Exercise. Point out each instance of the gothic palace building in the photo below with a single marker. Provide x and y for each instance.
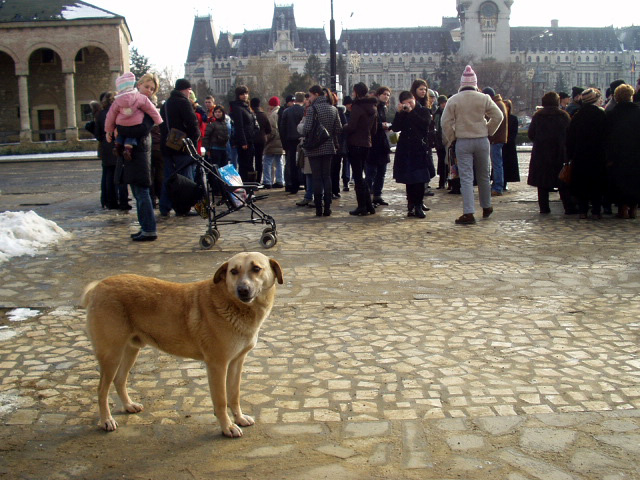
(553, 55)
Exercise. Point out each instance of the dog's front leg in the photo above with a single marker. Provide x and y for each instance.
(234, 378)
(217, 375)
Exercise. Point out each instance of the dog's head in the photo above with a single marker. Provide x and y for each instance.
(248, 274)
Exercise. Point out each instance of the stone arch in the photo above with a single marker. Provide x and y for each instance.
(92, 73)
(46, 92)
(14, 56)
(44, 46)
(9, 98)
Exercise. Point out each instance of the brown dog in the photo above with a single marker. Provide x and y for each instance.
(216, 321)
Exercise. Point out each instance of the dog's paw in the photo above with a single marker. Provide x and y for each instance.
(109, 424)
(233, 431)
(133, 407)
(244, 420)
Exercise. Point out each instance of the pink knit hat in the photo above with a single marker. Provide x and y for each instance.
(125, 82)
(469, 78)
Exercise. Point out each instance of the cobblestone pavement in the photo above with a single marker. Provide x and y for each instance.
(398, 348)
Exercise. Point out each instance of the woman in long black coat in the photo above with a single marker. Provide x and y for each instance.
(509, 151)
(623, 151)
(586, 150)
(410, 165)
(548, 131)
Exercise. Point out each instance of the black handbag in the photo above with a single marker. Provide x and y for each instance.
(317, 135)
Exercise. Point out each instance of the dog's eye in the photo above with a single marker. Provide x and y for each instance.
(234, 271)
(256, 268)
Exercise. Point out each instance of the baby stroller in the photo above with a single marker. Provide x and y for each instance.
(220, 193)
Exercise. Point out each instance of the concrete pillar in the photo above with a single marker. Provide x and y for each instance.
(25, 118)
(72, 126)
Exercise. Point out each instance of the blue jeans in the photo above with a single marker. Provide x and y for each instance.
(497, 166)
(374, 175)
(308, 194)
(473, 154)
(268, 162)
(180, 163)
(144, 207)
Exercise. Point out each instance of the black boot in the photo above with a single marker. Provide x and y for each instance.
(368, 202)
(327, 206)
(318, 204)
(362, 202)
(418, 212)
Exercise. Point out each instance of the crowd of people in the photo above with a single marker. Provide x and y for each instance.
(314, 143)
(596, 142)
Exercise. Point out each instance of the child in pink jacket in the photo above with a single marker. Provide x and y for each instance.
(128, 110)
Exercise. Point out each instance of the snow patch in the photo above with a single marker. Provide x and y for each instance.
(10, 402)
(22, 314)
(25, 233)
(73, 12)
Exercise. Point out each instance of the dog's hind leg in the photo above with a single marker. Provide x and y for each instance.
(234, 378)
(129, 357)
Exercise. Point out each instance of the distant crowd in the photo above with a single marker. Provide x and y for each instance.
(585, 146)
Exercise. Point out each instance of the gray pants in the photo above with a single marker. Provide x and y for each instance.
(473, 155)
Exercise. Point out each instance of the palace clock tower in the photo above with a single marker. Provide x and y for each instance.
(485, 31)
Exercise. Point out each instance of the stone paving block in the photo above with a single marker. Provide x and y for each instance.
(547, 439)
(465, 442)
(533, 467)
(366, 429)
(336, 451)
(499, 425)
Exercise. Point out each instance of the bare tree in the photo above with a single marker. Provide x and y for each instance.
(167, 78)
(265, 79)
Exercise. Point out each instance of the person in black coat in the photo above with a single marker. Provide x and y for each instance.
(586, 151)
(411, 163)
(376, 164)
(177, 112)
(260, 137)
(548, 132)
(245, 128)
(290, 138)
(510, 166)
(623, 151)
(114, 194)
(441, 150)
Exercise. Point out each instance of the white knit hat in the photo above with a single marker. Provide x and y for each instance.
(469, 78)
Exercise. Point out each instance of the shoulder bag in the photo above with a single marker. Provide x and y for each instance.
(317, 135)
(175, 138)
(565, 173)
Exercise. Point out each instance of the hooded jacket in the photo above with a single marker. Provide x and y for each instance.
(362, 125)
(128, 109)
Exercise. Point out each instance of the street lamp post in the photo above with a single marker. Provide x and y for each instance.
(332, 50)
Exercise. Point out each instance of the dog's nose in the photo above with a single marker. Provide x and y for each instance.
(243, 291)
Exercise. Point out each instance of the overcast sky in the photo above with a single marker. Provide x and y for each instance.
(162, 31)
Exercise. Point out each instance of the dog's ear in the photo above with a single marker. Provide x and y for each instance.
(221, 273)
(275, 266)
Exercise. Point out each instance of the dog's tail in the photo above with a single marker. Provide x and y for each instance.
(86, 295)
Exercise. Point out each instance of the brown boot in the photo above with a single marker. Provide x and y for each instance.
(623, 211)
(466, 219)
(633, 211)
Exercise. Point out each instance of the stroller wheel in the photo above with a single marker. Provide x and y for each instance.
(207, 241)
(268, 239)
